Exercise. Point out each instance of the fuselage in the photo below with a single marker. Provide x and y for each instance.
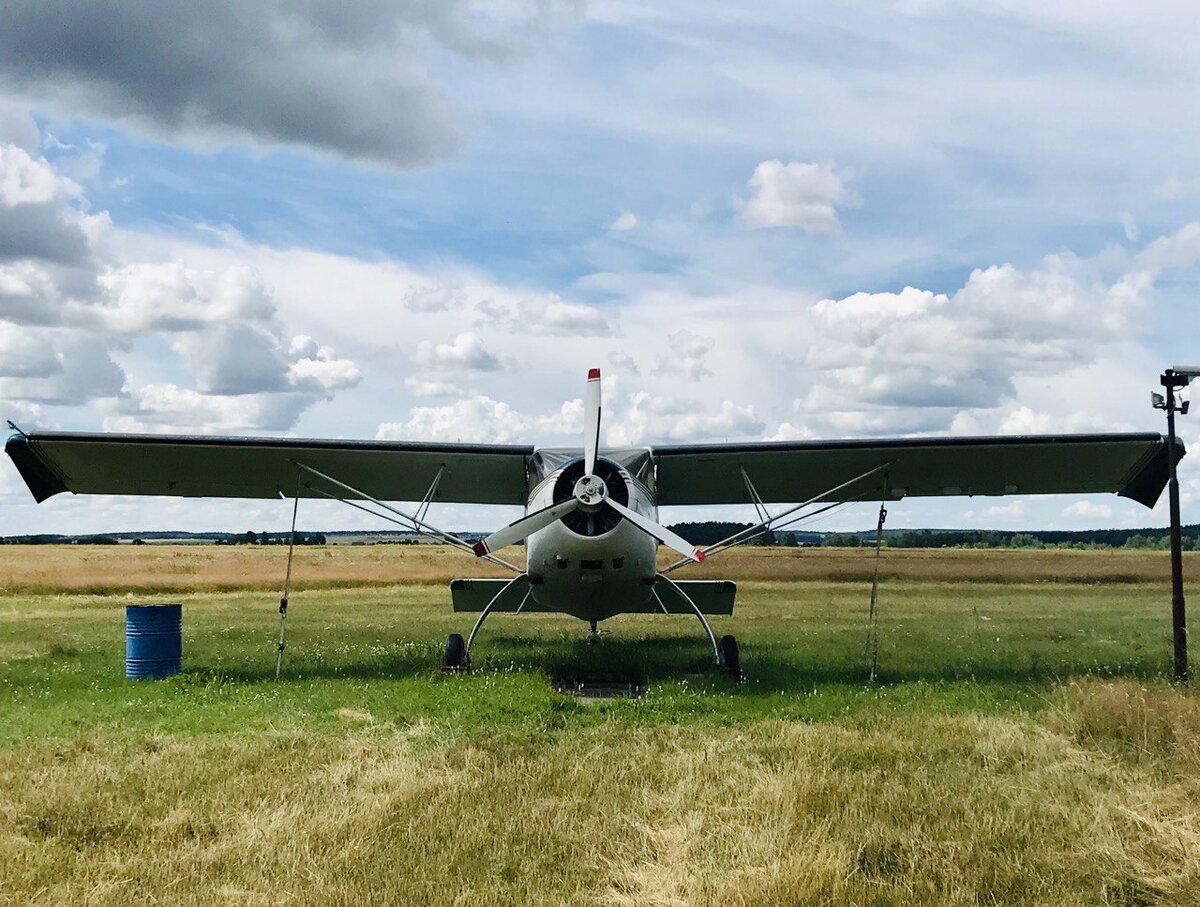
(592, 565)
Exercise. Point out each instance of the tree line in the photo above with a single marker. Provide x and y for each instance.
(709, 532)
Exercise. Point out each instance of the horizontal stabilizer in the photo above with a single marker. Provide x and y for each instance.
(473, 595)
(712, 596)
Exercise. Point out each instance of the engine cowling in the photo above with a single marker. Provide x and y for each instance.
(592, 523)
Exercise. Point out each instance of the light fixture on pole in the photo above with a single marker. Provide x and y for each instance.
(1176, 378)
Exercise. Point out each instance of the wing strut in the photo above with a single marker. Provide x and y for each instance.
(416, 524)
(759, 507)
(781, 520)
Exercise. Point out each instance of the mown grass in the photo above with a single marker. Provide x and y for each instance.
(1023, 746)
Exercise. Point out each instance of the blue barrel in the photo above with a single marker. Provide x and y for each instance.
(153, 641)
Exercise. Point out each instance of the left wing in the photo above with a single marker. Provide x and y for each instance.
(1132, 465)
(203, 466)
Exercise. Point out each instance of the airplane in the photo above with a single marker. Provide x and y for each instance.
(591, 525)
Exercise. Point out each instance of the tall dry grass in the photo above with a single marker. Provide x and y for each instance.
(124, 568)
(917, 809)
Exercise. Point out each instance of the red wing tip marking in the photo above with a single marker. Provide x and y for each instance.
(593, 374)
(698, 555)
(479, 548)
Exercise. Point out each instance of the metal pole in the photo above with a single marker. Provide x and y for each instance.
(1178, 610)
(873, 619)
(287, 581)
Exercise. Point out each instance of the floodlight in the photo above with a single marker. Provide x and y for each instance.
(1158, 401)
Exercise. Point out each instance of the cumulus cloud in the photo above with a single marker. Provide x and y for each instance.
(346, 78)
(912, 360)
(546, 314)
(466, 352)
(480, 419)
(794, 195)
(1088, 510)
(687, 355)
(643, 418)
(556, 316)
(434, 297)
(169, 408)
(174, 297)
(68, 313)
(626, 220)
(625, 363)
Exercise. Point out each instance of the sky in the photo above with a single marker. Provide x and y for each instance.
(407, 219)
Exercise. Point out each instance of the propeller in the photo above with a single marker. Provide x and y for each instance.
(591, 422)
(590, 493)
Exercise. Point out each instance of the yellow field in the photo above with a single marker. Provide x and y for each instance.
(125, 568)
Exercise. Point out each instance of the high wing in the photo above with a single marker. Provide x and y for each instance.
(202, 466)
(1132, 465)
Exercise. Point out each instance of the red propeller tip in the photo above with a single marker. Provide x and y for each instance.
(479, 548)
(593, 373)
(698, 555)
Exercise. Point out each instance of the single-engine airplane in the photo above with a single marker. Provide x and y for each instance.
(591, 524)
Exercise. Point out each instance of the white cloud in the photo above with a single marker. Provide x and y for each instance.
(548, 313)
(1009, 511)
(1024, 421)
(555, 316)
(466, 352)
(324, 372)
(174, 297)
(168, 408)
(69, 310)
(626, 220)
(914, 360)
(423, 387)
(794, 195)
(434, 297)
(480, 419)
(25, 180)
(624, 363)
(1089, 511)
(644, 418)
(686, 355)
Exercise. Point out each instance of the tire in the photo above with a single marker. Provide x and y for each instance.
(455, 658)
(731, 661)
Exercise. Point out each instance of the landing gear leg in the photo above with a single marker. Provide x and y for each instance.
(593, 633)
(700, 614)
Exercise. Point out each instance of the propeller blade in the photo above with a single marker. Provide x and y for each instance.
(591, 421)
(662, 533)
(524, 527)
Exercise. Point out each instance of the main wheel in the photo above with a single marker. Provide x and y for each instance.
(455, 658)
(731, 661)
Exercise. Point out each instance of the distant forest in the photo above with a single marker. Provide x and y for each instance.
(705, 533)
(710, 532)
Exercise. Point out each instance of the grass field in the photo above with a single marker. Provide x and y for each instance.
(1022, 745)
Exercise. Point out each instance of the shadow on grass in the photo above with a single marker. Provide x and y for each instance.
(663, 659)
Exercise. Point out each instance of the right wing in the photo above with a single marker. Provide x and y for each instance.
(1132, 465)
(203, 466)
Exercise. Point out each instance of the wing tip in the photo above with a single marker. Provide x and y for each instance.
(594, 374)
(42, 481)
